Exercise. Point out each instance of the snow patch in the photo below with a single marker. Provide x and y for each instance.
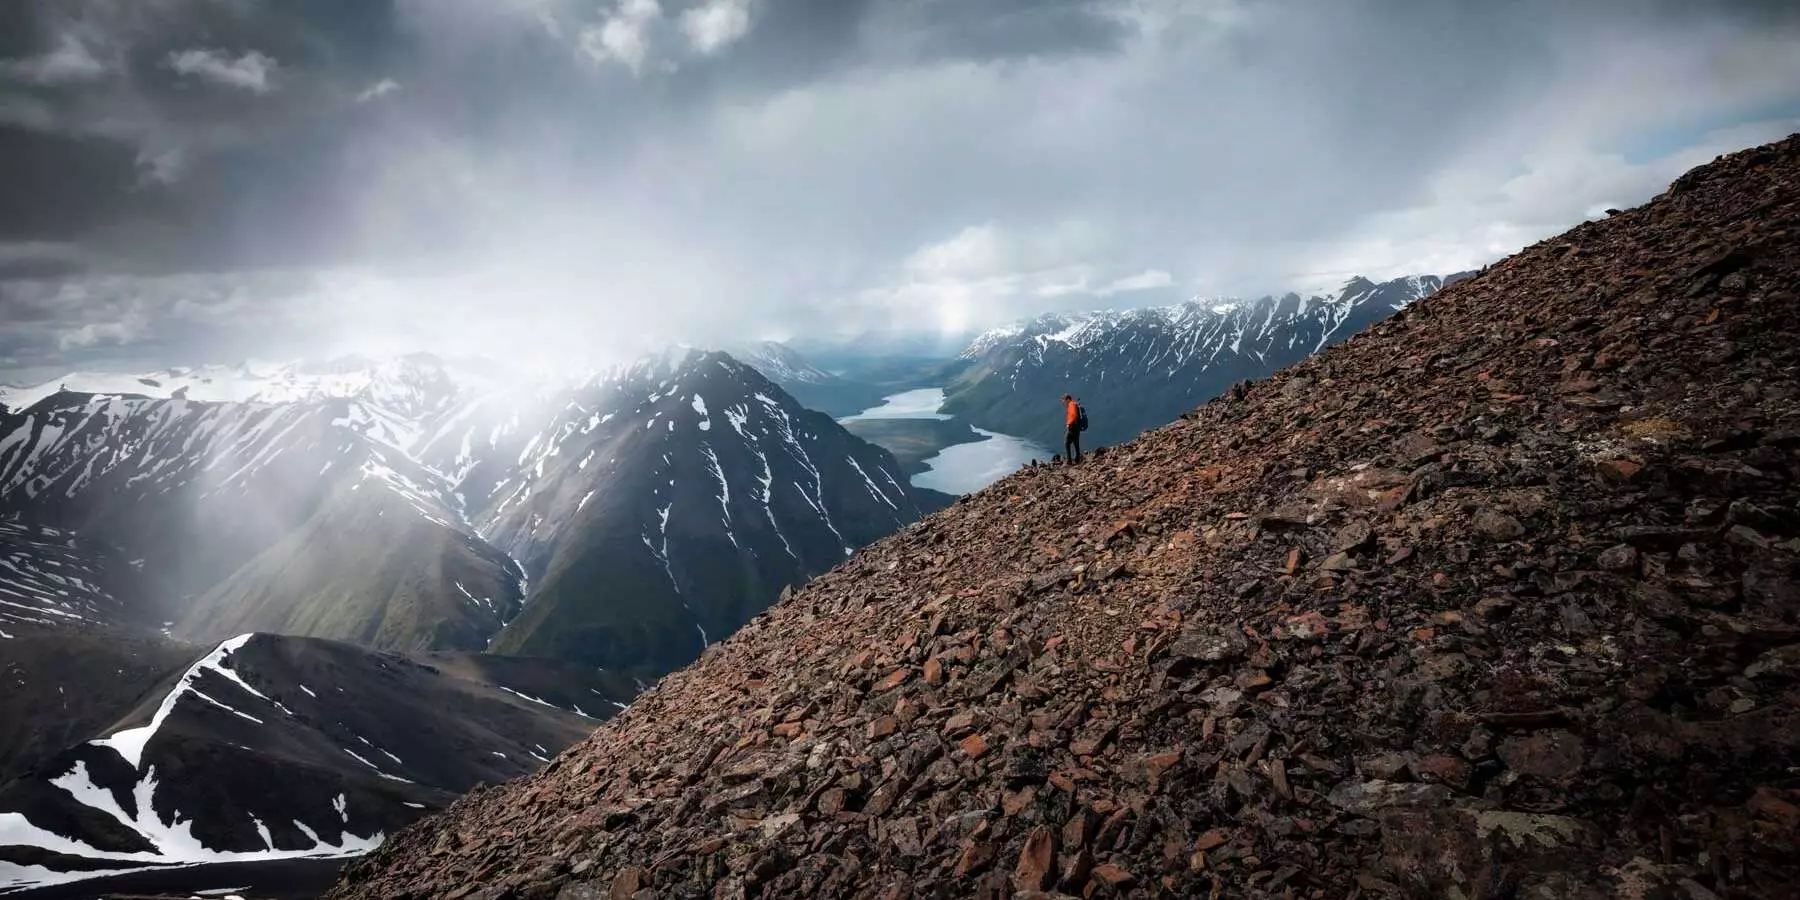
(130, 743)
(171, 838)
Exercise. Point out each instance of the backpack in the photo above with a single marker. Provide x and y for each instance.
(1080, 417)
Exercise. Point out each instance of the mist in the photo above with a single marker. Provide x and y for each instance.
(548, 180)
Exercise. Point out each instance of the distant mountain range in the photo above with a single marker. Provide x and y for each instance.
(359, 590)
(399, 508)
(815, 388)
(1140, 368)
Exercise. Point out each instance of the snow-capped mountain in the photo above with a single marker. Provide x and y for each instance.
(668, 503)
(1136, 369)
(416, 383)
(206, 495)
(389, 399)
(814, 387)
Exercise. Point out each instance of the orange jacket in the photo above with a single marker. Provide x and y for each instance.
(1071, 405)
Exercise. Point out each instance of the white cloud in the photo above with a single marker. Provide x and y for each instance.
(70, 62)
(97, 333)
(624, 35)
(716, 25)
(1148, 279)
(378, 90)
(253, 72)
(1478, 213)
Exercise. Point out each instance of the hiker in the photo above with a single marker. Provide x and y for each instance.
(1077, 422)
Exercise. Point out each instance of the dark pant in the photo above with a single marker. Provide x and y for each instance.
(1072, 444)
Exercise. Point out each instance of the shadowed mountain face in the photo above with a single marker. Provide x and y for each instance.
(1500, 597)
(1137, 369)
(264, 748)
(663, 508)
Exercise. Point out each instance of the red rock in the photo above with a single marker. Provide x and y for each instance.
(1074, 832)
(1619, 469)
(974, 745)
(895, 679)
(1309, 626)
(1014, 802)
(1113, 875)
(883, 726)
(975, 856)
(1160, 764)
(1035, 860)
(934, 671)
(1076, 869)
(628, 882)
(1443, 769)
(1779, 807)
(1210, 840)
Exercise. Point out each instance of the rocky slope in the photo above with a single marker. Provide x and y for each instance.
(1139, 368)
(1497, 599)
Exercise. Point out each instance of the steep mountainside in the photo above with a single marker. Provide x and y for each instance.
(814, 387)
(1500, 598)
(665, 506)
(268, 748)
(52, 577)
(1140, 368)
(221, 496)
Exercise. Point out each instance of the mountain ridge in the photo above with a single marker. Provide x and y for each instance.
(1137, 368)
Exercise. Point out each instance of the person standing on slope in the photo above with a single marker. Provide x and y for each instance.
(1075, 419)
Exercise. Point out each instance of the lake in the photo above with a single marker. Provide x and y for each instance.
(960, 468)
(920, 404)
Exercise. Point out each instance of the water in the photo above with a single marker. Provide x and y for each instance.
(961, 468)
(970, 467)
(920, 404)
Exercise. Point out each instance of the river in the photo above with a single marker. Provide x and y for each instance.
(960, 468)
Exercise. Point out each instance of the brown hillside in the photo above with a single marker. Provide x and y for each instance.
(1499, 599)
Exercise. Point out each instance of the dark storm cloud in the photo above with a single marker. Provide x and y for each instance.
(585, 176)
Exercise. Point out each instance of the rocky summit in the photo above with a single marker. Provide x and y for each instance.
(1497, 599)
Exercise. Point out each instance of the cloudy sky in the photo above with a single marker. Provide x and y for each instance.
(208, 180)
